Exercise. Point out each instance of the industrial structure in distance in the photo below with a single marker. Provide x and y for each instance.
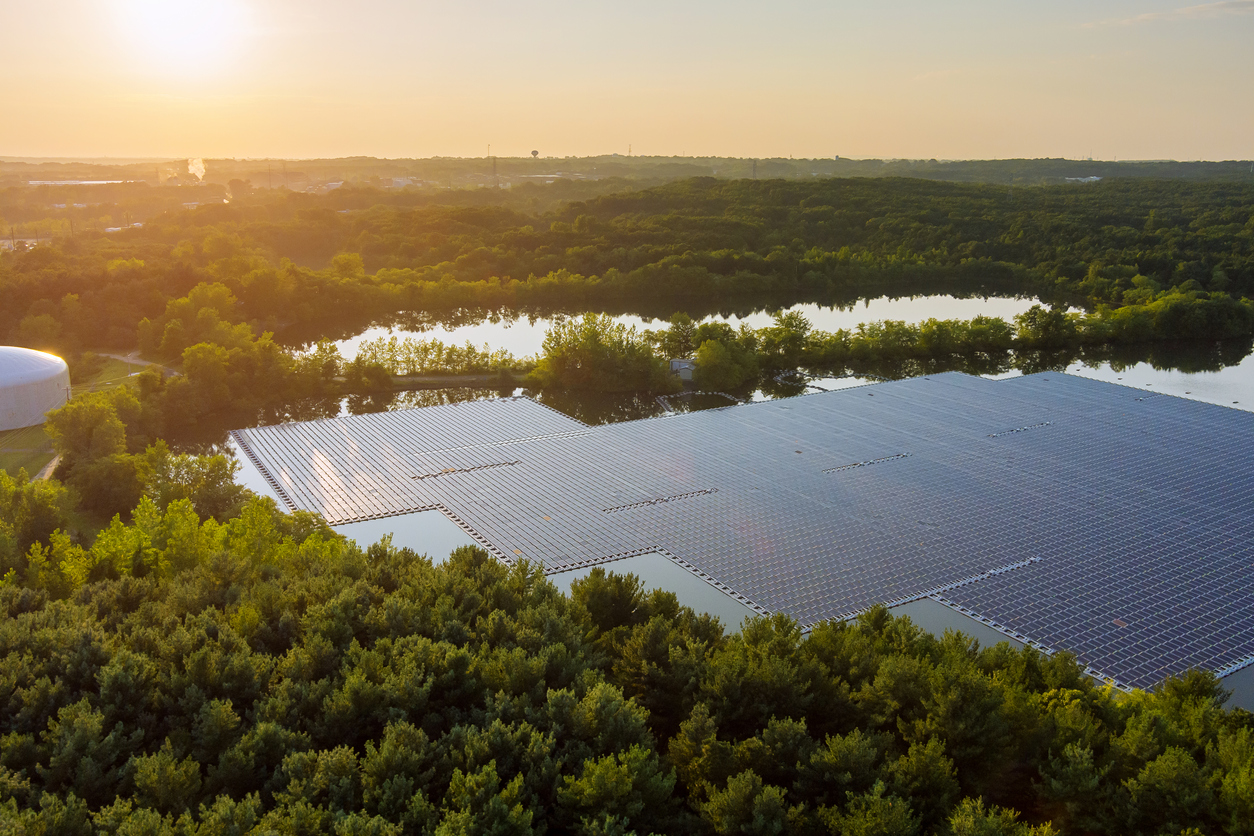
(31, 383)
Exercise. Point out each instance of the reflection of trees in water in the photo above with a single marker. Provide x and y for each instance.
(784, 386)
(1188, 357)
(661, 307)
(1180, 356)
(599, 407)
(436, 397)
(979, 364)
(698, 401)
(364, 404)
(210, 434)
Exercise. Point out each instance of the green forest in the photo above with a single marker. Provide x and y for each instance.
(181, 657)
(307, 267)
(262, 675)
(243, 296)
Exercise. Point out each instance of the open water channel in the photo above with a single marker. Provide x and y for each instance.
(524, 337)
(1215, 374)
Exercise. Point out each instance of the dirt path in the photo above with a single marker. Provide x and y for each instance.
(136, 360)
(46, 473)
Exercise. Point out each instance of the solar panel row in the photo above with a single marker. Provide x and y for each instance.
(1067, 512)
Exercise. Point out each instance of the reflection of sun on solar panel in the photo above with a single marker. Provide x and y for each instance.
(1056, 511)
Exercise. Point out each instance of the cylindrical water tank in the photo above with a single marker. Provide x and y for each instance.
(31, 383)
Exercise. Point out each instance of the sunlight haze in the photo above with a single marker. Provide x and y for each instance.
(252, 78)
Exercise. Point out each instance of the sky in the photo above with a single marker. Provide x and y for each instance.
(1124, 79)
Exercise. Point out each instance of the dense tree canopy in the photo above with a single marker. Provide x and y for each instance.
(298, 265)
(196, 677)
(596, 353)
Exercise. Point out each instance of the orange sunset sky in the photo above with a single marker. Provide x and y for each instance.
(250, 78)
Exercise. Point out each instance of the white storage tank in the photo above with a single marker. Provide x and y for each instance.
(31, 383)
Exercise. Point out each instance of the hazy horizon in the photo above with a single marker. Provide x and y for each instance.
(179, 158)
(276, 79)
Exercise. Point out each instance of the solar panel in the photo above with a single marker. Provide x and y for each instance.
(1070, 513)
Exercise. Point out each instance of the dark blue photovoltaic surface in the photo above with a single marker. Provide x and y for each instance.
(1072, 513)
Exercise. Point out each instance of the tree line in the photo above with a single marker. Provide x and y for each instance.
(595, 353)
(306, 267)
(189, 676)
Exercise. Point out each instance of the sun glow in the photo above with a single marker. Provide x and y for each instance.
(184, 36)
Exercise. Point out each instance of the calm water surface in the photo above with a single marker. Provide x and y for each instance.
(1230, 386)
(524, 337)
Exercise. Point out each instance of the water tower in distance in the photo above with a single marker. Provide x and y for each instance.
(535, 154)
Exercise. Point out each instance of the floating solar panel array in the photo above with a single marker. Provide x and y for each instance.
(1069, 513)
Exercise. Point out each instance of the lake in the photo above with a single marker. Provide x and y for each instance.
(1230, 386)
(1211, 372)
(524, 337)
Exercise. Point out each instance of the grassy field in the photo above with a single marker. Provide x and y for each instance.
(112, 373)
(28, 448)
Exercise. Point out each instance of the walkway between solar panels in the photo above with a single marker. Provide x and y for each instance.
(1065, 512)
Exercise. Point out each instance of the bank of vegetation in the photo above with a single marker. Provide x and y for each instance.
(594, 353)
(184, 675)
